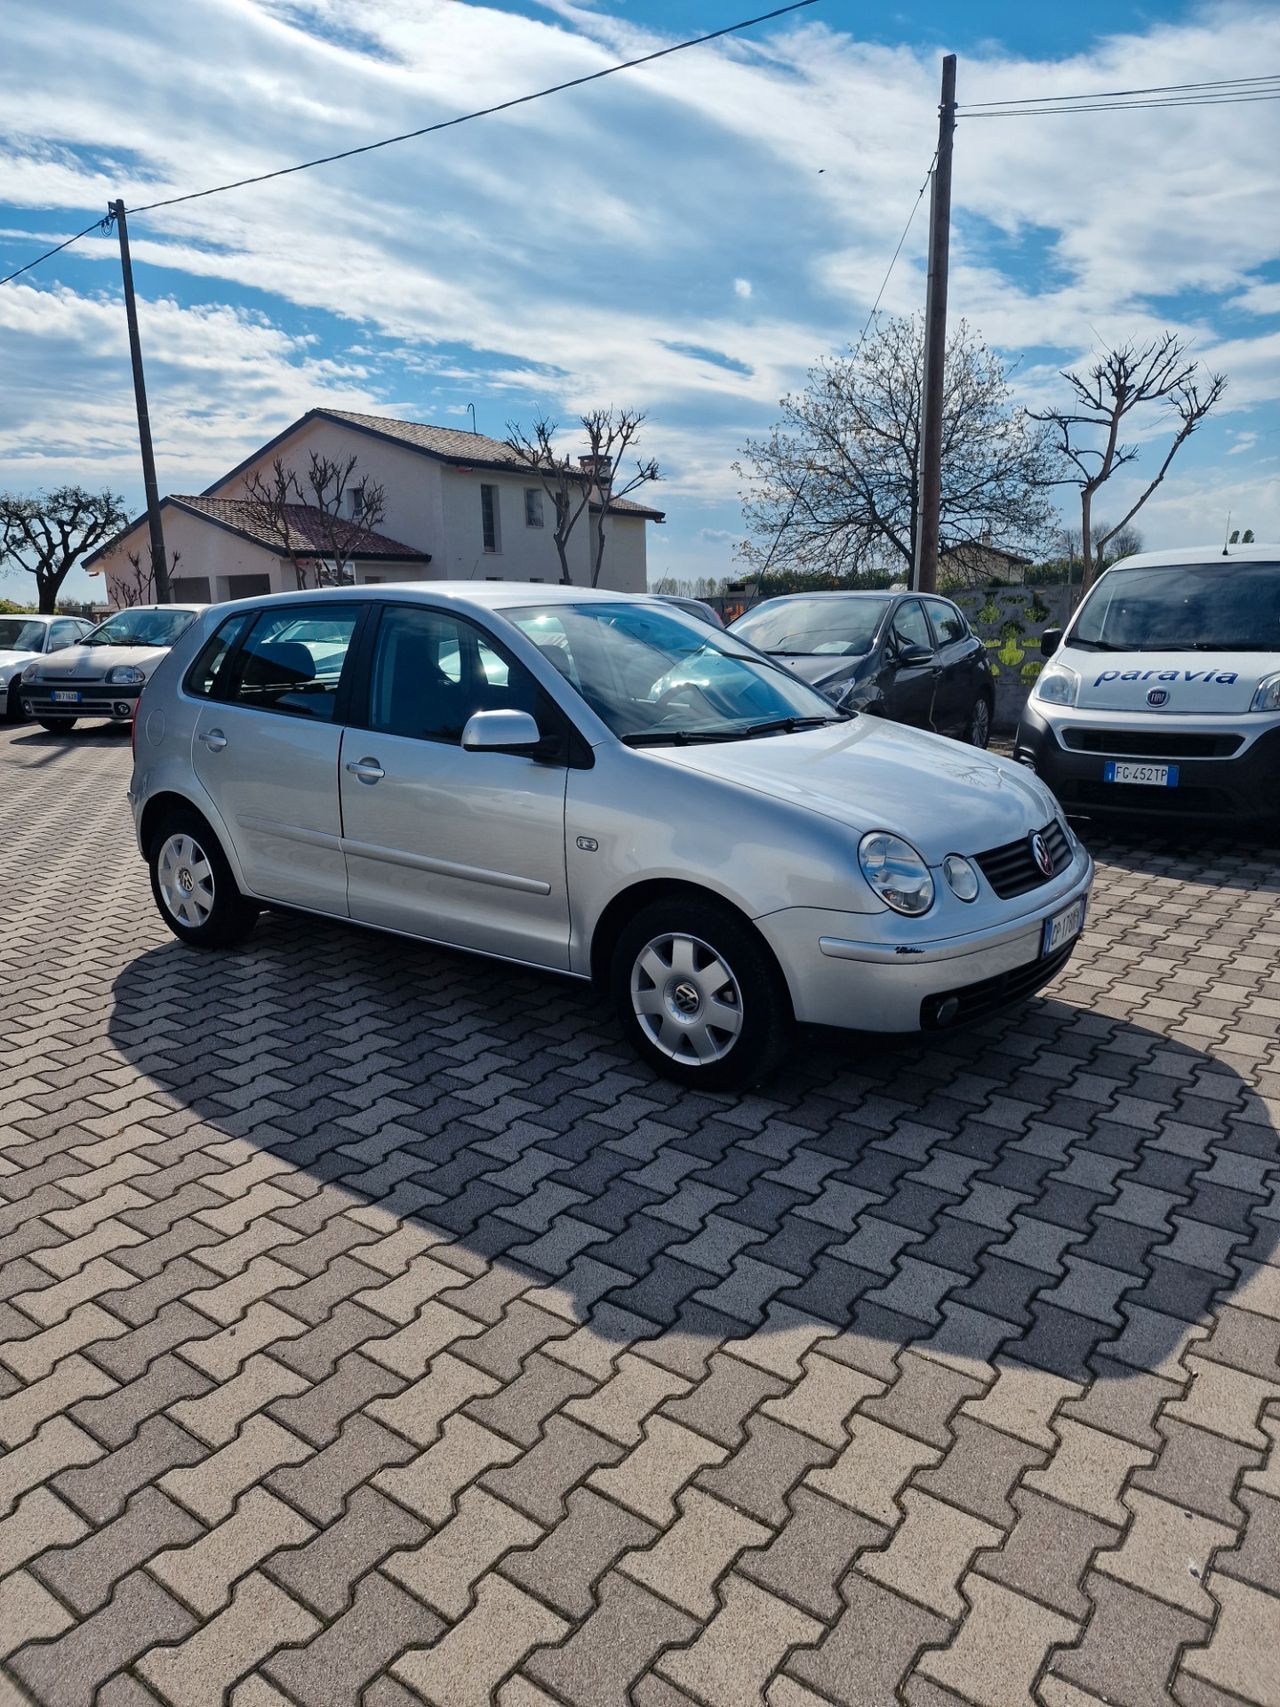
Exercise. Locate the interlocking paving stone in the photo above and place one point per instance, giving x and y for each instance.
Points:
(546, 1345)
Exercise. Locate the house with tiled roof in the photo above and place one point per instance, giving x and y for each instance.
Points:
(456, 506)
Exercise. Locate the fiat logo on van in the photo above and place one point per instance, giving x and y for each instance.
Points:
(1157, 696)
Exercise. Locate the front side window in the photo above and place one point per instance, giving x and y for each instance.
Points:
(432, 670)
(1211, 607)
(806, 628)
(656, 676)
(910, 627)
(63, 634)
(20, 634)
(948, 624)
(292, 661)
(532, 507)
(489, 518)
(142, 626)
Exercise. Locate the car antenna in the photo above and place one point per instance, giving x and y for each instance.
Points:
(1226, 538)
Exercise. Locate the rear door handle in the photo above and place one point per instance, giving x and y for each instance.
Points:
(366, 770)
(215, 740)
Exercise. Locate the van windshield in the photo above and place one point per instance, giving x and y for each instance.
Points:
(1203, 607)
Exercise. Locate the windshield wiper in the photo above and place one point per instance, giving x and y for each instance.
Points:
(791, 724)
(689, 737)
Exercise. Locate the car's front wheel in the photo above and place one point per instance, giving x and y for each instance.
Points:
(56, 725)
(13, 702)
(194, 887)
(699, 994)
(979, 730)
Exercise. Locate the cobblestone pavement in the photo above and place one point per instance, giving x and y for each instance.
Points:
(375, 1329)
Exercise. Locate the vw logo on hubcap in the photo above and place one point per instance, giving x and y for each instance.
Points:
(185, 881)
(1040, 853)
(686, 998)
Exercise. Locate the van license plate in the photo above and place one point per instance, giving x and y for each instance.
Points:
(66, 696)
(1151, 776)
(1061, 927)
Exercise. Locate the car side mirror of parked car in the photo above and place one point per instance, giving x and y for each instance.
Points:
(1050, 641)
(501, 732)
(911, 653)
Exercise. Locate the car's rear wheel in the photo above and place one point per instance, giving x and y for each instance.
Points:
(13, 702)
(979, 730)
(56, 725)
(699, 994)
(194, 887)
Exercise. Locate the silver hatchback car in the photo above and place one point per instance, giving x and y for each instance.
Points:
(599, 785)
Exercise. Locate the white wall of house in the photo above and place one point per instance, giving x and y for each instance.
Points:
(205, 554)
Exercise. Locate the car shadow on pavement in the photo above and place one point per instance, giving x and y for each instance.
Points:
(1058, 1191)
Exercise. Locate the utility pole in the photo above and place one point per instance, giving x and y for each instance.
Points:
(159, 562)
(925, 578)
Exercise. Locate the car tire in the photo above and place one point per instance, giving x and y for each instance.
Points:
(193, 885)
(978, 732)
(56, 725)
(13, 704)
(669, 992)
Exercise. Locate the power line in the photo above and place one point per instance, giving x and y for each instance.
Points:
(430, 129)
(1120, 106)
(1123, 94)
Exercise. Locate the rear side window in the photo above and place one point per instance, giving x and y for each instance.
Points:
(293, 660)
(203, 675)
(947, 622)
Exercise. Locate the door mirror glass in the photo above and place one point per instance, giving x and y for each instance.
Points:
(911, 653)
(500, 732)
(1050, 641)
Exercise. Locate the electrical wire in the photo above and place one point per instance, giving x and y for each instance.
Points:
(1125, 94)
(1117, 107)
(428, 129)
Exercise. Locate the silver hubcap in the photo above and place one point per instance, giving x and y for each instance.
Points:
(186, 880)
(981, 724)
(686, 999)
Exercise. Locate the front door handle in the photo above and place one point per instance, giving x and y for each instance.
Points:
(215, 740)
(366, 770)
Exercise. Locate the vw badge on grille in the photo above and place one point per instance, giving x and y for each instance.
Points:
(1040, 853)
(1157, 696)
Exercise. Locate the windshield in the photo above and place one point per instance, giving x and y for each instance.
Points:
(20, 634)
(141, 628)
(1206, 607)
(841, 628)
(656, 676)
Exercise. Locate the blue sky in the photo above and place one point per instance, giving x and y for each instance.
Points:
(687, 239)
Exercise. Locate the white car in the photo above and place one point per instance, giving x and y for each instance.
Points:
(25, 637)
(603, 786)
(1163, 696)
(103, 674)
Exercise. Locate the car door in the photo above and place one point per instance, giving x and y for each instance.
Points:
(463, 847)
(958, 655)
(910, 669)
(267, 741)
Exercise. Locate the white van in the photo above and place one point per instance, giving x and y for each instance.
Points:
(1163, 696)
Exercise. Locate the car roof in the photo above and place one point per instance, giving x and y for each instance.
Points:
(1200, 554)
(485, 595)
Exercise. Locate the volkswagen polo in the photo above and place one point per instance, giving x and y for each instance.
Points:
(597, 785)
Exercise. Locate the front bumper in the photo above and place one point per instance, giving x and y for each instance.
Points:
(863, 985)
(97, 699)
(1240, 788)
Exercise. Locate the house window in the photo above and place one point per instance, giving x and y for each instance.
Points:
(532, 507)
(355, 502)
(489, 518)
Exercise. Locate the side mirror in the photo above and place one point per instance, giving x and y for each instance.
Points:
(1050, 641)
(911, 653)
(501, 732)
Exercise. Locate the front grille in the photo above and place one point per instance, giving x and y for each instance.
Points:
(1152, 744)
(1012, 870)
(976, 1001)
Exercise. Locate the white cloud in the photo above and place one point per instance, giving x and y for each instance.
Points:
(742, 287)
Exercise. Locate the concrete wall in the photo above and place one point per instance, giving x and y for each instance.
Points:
(1010, 620)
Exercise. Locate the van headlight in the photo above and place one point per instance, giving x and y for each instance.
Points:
(896, 872)
(1267, 696)
(126, 676)
(1057, 685)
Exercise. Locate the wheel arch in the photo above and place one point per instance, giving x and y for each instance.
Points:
(159, 807)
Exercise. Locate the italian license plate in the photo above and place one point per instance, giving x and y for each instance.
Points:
(1149, 776)
(1061, 927)
(66, 696)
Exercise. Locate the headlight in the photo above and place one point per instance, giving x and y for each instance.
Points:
(1267, 698)
(1057, 685)
(126, 676)
(896, 872)
(31, 673)
(961, 876)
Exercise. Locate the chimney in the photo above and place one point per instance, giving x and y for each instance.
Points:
(600, 468)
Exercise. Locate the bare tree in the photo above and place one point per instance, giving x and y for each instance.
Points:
(573, 487)
(48, 534)
(1159, 375)
(138, 587)
(835, 486)
(318, 519)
